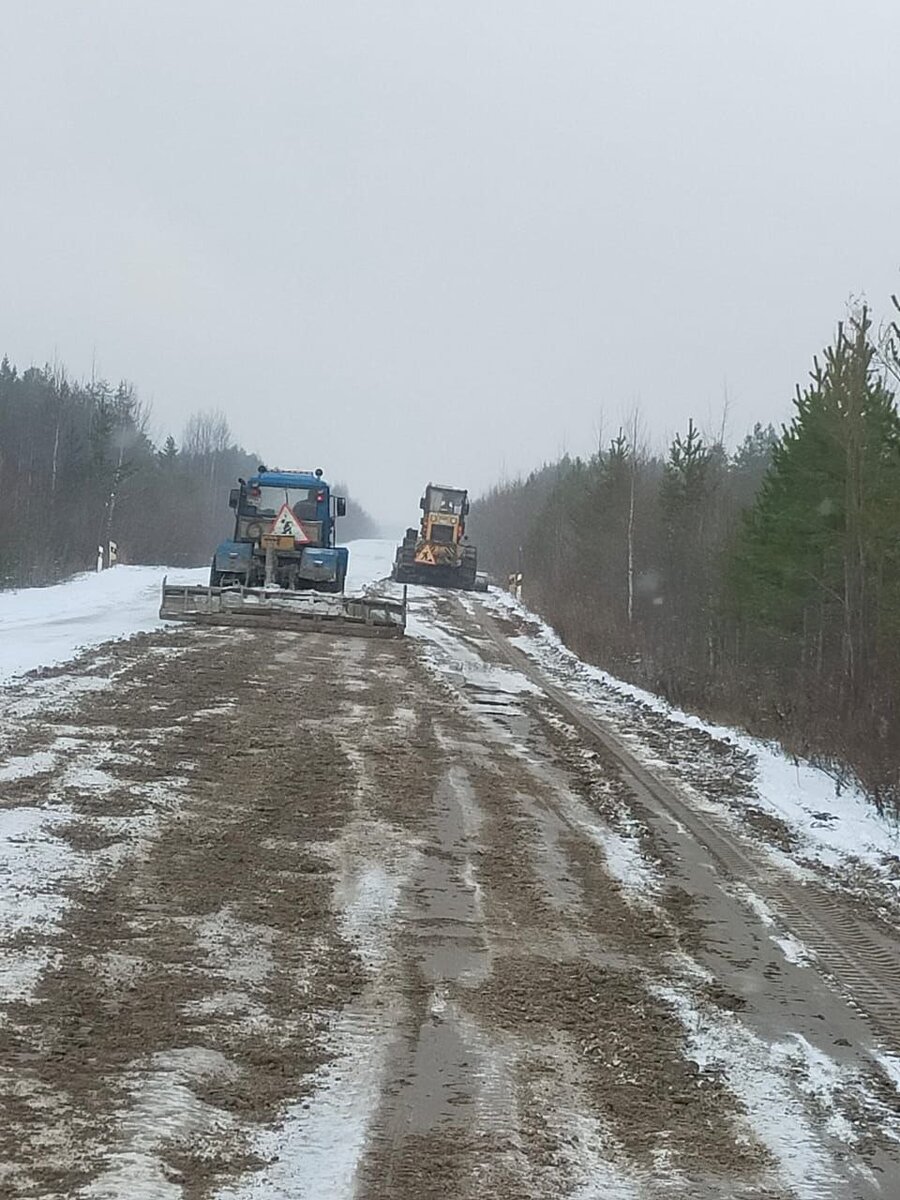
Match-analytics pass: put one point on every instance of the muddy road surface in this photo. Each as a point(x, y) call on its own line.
point(290, 916)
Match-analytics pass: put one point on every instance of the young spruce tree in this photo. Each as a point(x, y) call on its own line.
point(815, 569)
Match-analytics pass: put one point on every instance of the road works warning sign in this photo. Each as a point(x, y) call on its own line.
point(287, 525)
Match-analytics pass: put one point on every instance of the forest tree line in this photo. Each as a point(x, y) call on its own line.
point(759, 586)
point(79, 469)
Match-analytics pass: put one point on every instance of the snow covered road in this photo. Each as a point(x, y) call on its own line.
point(283, 915)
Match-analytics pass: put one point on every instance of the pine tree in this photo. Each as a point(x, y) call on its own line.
point(819, 545)
point(684, 495)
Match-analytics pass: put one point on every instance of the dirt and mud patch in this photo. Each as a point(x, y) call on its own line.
point(209, 935)
point(276, 843)
point(628, 1047)
point(468, 1165)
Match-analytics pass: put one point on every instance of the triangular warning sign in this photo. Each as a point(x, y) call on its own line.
point(287, 525)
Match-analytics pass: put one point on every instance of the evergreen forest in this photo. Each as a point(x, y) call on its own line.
point(758, 585)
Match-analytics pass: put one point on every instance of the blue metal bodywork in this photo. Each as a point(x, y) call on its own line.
point(318, 565)
point(288, 479)
point(233, 556)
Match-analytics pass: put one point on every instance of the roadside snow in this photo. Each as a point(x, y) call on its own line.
point(40, 627)
point(834, 825)
point(43, 626)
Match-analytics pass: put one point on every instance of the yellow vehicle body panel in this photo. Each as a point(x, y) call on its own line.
point(439, 550)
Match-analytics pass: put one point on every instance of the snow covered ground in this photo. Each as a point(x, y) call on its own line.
point(43, 626)
point(40, 627)
point(371, 560)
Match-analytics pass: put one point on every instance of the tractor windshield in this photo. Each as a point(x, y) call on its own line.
point(445, 501)
point(268, 501)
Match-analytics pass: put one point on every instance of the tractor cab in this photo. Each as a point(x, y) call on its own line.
point(286, 504)
point(445, 501)
point(444, 512)
point(284, 534)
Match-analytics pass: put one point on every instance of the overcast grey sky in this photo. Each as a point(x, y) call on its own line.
point(444, 239)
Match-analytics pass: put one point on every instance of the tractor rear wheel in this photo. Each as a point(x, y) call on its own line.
point(405, 559)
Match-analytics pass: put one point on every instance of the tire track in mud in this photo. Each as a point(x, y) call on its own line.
point(591, 1040)
point(439, 1125)
point(864, 963)
point(807, 1161)
point(194, 981)
point(531, 1055)
point(346, 924)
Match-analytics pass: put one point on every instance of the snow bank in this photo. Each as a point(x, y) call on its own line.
point(43, 626)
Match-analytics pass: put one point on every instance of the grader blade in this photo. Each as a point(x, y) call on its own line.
point(274, 608)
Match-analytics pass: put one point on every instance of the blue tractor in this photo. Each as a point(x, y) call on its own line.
point(284, 535)
point(281, 558)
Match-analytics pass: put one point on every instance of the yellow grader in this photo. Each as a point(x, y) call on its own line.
point(437, 553)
